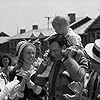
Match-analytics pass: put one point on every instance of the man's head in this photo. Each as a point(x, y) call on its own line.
point(60, 24)
point(93, 51)
point(56, 43)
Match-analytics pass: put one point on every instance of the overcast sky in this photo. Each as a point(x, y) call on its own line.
point(16, 14)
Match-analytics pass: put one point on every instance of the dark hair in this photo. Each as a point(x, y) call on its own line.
point(5, 56)
point(59, 38)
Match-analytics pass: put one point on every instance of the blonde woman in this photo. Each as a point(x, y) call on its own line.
point(24, 69)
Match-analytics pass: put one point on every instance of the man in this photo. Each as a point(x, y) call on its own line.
point(63, 69)
point(93, 52)
point(37, 44)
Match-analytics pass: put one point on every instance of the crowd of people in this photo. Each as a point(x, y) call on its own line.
point(66, 71)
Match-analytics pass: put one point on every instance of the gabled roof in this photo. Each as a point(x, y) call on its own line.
point(79, 22)
point(4, 34)
point(25, 35)
point(44, 31)
point(81, 29)
point(41, 36)
point(4, 39)
point(32, 36)
point(35, 32)
point(94, 25)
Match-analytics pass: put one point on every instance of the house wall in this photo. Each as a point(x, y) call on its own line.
point(93, 35)
point(84, 40)
point(4, 48)
point(12, 46)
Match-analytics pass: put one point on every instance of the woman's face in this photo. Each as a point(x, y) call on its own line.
point(29, 54)
point(5, 61)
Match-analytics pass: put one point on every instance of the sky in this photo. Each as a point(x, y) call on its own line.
point(19, 14)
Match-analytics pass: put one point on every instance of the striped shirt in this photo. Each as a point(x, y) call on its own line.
point(94, 86)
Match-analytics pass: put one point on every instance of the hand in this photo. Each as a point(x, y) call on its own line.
point(22, 85)
point(26, 75)
point(10, 86)
point(45, 61)
point(76, 87)
point(30, 85)
point(72, 53)
point(77, 96)
point(65, 51)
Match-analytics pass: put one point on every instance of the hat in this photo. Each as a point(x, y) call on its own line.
point(21, 45)
point(93, 50)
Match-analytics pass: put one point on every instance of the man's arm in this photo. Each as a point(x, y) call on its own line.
point(75, 66)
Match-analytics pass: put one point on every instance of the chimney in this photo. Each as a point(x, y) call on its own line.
point(72, 17)
point(34, 27)
point(22, 31)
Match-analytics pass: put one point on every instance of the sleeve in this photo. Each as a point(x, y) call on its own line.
point(8, 88)
point(77, 66)
point(74, 39)
point(12, 74)
point(84, 63)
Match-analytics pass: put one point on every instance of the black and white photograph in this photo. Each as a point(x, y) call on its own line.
point(49, 49)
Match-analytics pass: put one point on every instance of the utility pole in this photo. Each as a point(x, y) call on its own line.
point(17, 30)
point(48, 20)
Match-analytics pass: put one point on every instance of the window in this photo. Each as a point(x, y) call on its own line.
point(97, 35)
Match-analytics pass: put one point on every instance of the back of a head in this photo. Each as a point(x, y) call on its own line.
point(60, 21)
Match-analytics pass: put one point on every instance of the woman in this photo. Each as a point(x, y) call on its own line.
point(6, 87)
point(5, 64)
point(24, 69)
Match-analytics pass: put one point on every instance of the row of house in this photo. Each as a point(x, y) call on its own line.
point(88, 28)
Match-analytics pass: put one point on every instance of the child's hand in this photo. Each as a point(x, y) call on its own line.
point(70, 52)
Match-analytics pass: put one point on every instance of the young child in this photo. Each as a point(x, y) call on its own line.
point(61, 26)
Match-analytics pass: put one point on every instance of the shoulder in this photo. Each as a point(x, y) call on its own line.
point(71, 33)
